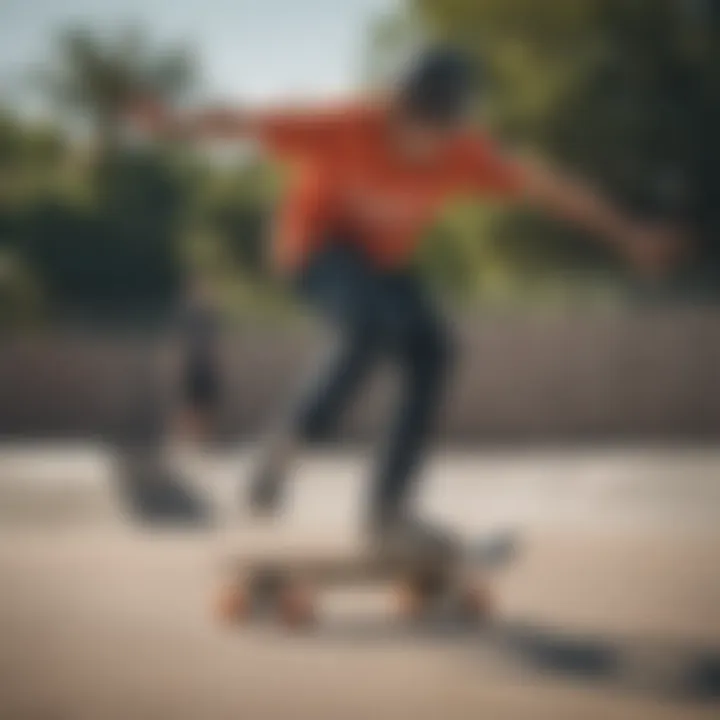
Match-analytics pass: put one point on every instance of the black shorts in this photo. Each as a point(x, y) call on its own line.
point(201, 386)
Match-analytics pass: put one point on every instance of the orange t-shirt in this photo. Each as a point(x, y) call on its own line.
point(349, 182)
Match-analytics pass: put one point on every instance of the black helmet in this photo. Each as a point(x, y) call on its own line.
point(438, 86)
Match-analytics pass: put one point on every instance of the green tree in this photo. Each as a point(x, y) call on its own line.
point(391, 38)
point(111, 245)
point(96, 77)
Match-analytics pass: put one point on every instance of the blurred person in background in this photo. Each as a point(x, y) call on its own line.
point(369, 177)
point(198, 352)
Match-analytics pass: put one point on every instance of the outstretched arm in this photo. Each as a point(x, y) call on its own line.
point(651, 247)
point(281, 130)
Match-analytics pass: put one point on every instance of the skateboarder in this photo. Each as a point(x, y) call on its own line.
point(368, 179)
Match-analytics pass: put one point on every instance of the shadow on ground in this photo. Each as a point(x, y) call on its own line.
point(673, 670)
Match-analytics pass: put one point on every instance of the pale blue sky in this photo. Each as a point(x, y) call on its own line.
point(250, 49)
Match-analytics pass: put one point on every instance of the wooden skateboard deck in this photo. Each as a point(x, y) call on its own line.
point(274, 574)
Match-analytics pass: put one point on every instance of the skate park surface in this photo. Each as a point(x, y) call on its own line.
point(612, 609)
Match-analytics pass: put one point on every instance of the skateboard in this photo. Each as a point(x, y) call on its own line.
point(280, 581)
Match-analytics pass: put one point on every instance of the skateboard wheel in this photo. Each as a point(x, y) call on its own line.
point(420, 592)
point(232, 604)
point(411, 603)
point(415, 600)
point(296, 606)
point(476, 603)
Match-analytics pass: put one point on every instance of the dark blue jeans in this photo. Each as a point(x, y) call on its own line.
point(376, 314)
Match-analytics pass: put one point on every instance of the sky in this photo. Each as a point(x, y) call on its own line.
point(250, 50)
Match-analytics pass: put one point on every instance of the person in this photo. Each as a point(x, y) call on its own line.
point(368, 178)
point(198, 350)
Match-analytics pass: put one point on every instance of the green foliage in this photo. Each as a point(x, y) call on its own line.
point(97, 77)
point(116, 256)
point(235, 206)
point(21, 301)
point(390, 39)
point(29, 154)
point(100, 230)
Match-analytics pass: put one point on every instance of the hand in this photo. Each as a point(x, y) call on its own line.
point(654, 250)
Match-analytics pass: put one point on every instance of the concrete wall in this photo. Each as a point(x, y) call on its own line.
point(651, 375)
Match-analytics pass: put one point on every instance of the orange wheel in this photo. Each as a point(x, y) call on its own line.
point(411, 602)
point(232, 604)
point(476, 602)
point(296, 605)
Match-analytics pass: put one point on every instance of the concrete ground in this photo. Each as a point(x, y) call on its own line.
point(612, 610)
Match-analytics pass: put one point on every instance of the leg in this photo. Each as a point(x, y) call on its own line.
point(194, 421)
point(328, 394)
point(341, 286)
point(423, 352)
point(335, 384)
